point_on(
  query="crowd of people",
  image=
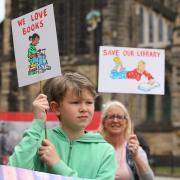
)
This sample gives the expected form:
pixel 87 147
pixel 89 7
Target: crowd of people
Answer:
pixel 69 150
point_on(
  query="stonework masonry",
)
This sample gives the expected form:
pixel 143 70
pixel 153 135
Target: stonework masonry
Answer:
pixel 119 26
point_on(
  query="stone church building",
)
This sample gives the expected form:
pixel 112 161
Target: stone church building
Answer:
pixel 123 23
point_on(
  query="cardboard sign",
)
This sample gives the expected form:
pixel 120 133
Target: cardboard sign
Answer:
pixel 35 46
pixel 131 70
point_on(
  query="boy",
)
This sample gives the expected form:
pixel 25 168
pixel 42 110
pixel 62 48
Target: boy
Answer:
pixel 69 150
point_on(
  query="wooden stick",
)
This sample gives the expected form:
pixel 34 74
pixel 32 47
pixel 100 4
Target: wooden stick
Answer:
pixel 45 130
pixel 131 112
pixel 40 84
pixel 45 127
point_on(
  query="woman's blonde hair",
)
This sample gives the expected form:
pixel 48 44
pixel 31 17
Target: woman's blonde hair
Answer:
pixel 104 114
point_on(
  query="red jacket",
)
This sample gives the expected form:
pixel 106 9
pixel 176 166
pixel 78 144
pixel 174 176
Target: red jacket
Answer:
pixel 136 75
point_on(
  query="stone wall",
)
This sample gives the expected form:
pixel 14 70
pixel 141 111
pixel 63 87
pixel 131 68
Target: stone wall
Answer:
pixel 120 24
pixel 163 143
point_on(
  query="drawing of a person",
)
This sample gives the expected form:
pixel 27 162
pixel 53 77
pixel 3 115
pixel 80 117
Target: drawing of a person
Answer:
pixel 118 64
pixel 33 52
pixel 36 58
pixel 139 72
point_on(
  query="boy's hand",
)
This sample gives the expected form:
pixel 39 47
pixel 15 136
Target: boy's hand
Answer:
pixel 40 107
pixel 133 145
pixel 48 153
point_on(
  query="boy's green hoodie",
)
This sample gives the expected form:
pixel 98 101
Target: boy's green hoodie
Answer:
pixel 90 156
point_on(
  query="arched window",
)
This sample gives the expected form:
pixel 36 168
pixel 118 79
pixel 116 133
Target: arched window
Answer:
pixel 154 29
pixel 166 105
pixel 151 27
pixel 160 29
pixel 170 32
pixel 150 108
pixel 141 30
pixel 72 32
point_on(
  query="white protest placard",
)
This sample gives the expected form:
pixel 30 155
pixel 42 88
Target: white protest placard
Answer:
pixel 14 173
pixel 131 70
pixel 35 46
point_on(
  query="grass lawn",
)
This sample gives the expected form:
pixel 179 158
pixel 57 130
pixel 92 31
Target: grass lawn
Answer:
pixel 167 170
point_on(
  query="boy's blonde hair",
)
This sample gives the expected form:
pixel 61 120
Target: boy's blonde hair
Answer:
pixel 104 114
pixel 70 81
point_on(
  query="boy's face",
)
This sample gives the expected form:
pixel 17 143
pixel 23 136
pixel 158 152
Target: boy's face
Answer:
pixel 76 112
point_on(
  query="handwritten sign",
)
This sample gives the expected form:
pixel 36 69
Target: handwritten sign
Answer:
pixel 131 70
pixel 36 47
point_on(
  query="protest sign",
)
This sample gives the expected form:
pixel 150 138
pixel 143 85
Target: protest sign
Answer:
pixel 131 70
pixel 35 46
pixel 12 173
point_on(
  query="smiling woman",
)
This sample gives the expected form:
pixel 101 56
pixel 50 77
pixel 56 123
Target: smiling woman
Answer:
pixel 132 161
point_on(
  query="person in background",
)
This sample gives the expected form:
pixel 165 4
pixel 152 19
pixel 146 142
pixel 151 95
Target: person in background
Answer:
pixel 69 149
pixel 132 162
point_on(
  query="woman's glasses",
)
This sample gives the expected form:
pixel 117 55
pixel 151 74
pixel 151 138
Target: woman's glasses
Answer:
pixel 115 116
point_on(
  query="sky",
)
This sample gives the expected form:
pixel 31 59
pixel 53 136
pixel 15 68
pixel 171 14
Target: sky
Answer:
pixel 2 10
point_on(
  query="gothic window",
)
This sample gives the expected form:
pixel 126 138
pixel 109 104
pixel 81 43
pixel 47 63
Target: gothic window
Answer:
pixel 130 24
pixel 21 7
pixel 62 29
pixel 80 28
pixel 160 30
pixel 154 29
pixel 71 27
pixel 161 1
pixel 141 31
pixel 150 108
pixel 171 4
pixel 170 32
pixel 151 28
pixel 166 106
